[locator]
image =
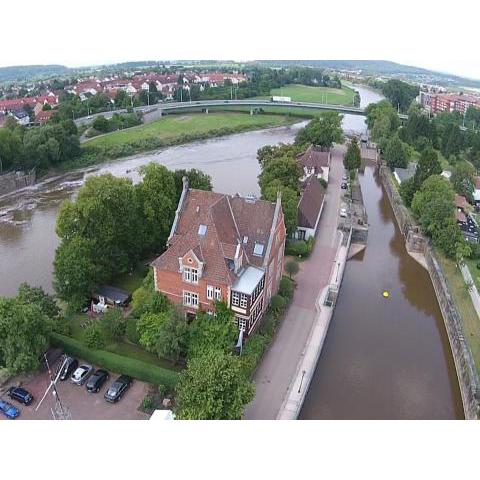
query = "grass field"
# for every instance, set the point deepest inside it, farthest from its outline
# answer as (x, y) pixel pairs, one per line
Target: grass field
(304, 93)
(170, 128)
(471, 322)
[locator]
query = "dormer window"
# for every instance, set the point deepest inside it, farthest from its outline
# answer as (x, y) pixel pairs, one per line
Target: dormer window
(202, 230)
(190, 275)
(258, 249)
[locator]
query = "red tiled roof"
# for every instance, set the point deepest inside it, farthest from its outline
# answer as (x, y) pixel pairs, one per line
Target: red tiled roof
(460, 216)
(228, 220)
(314, 158)
(310, 203)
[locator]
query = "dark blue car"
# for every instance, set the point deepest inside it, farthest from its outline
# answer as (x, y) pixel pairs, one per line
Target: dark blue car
(20, 395)
(8, 409)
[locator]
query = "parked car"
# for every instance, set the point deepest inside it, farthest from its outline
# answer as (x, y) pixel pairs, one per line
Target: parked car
(344, 177)
(80, 375)
(344, 185)
(343, 212)
(118, 388)
(70, 366)
(9, 410)
(20, 395)
(96, 381)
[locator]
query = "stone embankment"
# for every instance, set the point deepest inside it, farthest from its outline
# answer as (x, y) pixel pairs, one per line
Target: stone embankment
(9, 182)
(418, 246)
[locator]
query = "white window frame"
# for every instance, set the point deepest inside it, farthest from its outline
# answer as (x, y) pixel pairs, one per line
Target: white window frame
(243, 301)
(190, 299)
(218, 293)
(210, 292)
(190, 275)
(235, 299)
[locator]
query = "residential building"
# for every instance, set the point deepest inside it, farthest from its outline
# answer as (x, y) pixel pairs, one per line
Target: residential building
(465, 221)
(44, 116)
(21, 116)
(310, 208)
(437, 103)
(225, 248)
(402, 174)
(315, 161)
(476, 192)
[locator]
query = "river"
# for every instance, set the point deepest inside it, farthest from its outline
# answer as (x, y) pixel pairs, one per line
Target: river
(381, 359)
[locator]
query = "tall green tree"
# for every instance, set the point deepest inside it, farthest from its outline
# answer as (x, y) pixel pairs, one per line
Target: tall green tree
(172, 338)
(353, 158)
(323, 131)
(213, 387)
(24, 334)
(285, 169)
(401, 94)
(395, 153)
(463, 179)
(289, 203)
(428, 165)
(157, 201)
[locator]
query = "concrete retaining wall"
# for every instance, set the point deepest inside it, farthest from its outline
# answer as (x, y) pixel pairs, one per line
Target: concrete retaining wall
(325, 303)
(416, 243)
(9, 182)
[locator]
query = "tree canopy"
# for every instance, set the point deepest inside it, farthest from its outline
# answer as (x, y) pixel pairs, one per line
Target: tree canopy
(353, 158)
(323, 131)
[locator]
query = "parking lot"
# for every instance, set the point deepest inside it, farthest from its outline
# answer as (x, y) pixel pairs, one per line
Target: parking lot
(82, 404)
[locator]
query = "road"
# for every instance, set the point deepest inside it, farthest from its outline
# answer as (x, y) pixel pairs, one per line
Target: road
(198, 105)
(280, 362)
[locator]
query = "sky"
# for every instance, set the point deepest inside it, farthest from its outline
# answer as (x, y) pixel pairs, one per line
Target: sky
(419, 33)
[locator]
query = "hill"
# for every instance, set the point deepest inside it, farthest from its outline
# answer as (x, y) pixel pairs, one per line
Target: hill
(30, 72)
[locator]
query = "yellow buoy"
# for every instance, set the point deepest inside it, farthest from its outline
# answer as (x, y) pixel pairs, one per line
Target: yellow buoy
(386, 294)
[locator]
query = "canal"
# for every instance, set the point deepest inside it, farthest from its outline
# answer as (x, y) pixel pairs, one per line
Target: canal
(381, 359)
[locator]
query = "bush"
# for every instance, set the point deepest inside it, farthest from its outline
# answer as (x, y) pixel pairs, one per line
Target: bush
(277, 304)
(131, 331)
(291, 267)
(94, 337)
(299, 248)
(253, 352)
(147, 403)
(323, 182)
(114, 323)
(117, 363)
(286, 288)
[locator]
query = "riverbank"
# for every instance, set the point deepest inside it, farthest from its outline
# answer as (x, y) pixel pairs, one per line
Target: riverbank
(454, 322)
(174, 130)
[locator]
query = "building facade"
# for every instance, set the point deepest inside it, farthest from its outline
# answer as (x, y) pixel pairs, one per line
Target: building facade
(223, 248)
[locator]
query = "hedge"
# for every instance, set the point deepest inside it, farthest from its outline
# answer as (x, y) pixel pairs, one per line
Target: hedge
(117, 363)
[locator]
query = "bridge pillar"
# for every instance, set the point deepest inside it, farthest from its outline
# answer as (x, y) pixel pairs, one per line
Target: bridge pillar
(206, 111)
(251, 111)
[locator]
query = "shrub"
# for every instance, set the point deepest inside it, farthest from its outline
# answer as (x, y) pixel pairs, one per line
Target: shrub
(277, 303)
(253, 352)
(94, 337)
(131, 331)
(323, 183)
(114, 323)
(291, 267)
(117, 363)
(286, 288)
(147, 403)
(299, 248)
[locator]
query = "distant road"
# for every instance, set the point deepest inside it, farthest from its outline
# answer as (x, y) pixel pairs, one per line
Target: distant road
(200, 105)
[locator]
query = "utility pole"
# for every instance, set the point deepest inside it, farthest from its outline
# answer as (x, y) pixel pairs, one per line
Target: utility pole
(59, 411)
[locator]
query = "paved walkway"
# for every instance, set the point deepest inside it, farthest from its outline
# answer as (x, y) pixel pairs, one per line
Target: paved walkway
(274, 375)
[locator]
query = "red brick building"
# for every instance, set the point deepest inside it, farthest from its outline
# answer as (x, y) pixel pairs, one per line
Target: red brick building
(226, 248)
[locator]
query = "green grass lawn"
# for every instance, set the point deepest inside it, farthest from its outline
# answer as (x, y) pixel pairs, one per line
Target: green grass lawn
(120, 348)
(172, 127)
(471, 322)
(304, 93)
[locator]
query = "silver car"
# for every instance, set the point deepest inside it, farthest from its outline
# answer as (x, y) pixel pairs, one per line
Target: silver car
(81, 374)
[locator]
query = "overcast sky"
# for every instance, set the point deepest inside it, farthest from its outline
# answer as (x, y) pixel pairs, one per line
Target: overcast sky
(414, 32)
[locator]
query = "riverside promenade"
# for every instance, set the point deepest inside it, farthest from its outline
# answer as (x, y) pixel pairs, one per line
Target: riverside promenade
(280, 363)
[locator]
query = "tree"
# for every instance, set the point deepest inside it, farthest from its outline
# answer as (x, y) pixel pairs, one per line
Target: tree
(149, 327)
(172, 336)
(284, 169)
(106, 215)
(24, 335)
(212, 333)
(75, 271)
(324, 131)
(213, 387)
(353, 158)
(463, 179)
(289, 203)
(114, 324)
(382, 119)
(94, 337)
(101, 124)
(157, 200)
(291, 267)
(401, 94)
(36, 295)
(269, 152)
(428, 165)
(11, 148)
(196, 179)
(395, 153)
